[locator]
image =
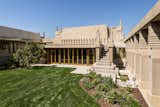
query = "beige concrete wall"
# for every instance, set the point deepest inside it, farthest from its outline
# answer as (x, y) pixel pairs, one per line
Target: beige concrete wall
(143, 58)
(156, 76)
(144, 43)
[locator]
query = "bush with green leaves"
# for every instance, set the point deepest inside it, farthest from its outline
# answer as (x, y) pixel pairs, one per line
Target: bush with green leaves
(129, 89)
(87, 84)
(130, 102)
(103, 87)
(113, 97)
(109, 91)
(108, 81)
(97, 80)
(91, 75)
(29, 54)
(123, 99)
(99, 94)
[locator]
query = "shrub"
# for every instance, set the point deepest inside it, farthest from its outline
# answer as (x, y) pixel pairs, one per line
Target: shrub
(123, 99)
(126, 90)
(101, 87)
(113, 97)
(105, 84)
(91, 75)
(96, 81)
(31, 53)
(130, 102)
(99, 95)
(109, 81)
(87, 84)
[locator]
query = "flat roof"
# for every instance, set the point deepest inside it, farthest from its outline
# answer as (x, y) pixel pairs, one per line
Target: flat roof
(9, 33)
(153, 13)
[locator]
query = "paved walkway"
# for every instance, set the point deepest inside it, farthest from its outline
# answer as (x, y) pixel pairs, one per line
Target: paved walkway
(80, 69)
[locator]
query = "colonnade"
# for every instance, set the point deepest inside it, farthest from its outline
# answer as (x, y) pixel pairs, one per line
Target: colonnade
(143, 58)
(8, 47)
(71, 55)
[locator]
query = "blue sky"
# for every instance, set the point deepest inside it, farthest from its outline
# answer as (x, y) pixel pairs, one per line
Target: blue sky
(45, 15)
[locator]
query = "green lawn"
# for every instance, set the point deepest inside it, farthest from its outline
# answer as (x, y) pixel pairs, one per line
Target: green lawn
(42, 87)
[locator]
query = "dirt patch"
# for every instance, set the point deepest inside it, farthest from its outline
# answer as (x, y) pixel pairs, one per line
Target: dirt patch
(137, 94)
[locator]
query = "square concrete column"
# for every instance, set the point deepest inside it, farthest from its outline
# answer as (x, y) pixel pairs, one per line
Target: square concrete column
(47, 56)
(87, 56)
(156, 76)
(138, 66)
(15, 47)
(134, 64)
(154, 43)
(111, 54)
(68, 55)
(51, 56)
(77, 56)
(145, 77)
(82, 55)
(59, 55)
(73, 56)
(93, 57)
(55, 56)
(64, 55)
(11, 47)
(97, 54)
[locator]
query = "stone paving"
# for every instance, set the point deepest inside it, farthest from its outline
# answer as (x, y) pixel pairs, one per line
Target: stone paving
(79, 69)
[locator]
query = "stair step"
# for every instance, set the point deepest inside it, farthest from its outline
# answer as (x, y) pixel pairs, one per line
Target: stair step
(105, 71)
(104, 65)
(103, 68)
(103, 61)
(99, 64)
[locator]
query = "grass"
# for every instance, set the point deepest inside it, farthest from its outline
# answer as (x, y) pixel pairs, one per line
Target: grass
(42, 87)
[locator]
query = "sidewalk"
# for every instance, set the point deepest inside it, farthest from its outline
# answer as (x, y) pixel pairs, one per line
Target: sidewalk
(80, 69)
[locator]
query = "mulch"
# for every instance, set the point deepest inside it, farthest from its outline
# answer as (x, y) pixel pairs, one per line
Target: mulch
(137, 94)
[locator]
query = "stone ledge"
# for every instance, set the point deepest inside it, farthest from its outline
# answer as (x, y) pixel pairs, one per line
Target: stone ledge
(152, 100)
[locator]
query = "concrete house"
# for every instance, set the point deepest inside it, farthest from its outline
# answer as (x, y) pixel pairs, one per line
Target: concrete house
(83, 45)
(12, 39)
(143, 55)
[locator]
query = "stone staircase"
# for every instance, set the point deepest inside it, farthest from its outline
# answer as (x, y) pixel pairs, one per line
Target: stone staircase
(104, 66)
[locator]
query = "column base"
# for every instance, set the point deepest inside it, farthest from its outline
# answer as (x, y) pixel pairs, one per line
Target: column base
(156, 92)
(153, 100)
(144, 84)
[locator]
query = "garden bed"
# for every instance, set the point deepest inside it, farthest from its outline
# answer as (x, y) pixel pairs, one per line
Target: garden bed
(139, 96)
(108, 94)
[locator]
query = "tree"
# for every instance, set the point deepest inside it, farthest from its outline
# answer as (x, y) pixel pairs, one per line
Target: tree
(29, 54)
